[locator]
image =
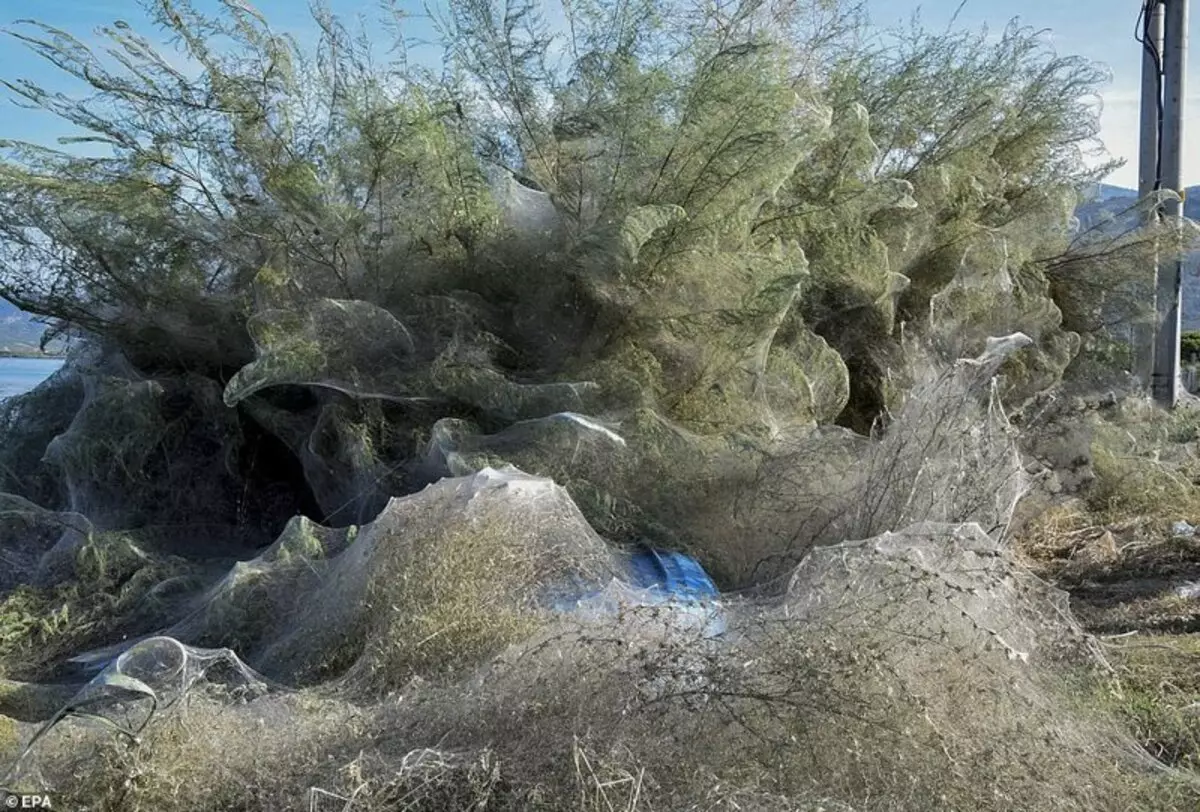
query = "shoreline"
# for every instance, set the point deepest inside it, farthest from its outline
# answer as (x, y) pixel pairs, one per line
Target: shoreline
(32, 355)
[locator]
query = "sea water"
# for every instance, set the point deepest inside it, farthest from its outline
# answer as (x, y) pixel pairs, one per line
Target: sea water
(19, 375)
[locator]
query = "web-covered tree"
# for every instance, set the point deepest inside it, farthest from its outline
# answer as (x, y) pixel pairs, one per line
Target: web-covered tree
(995, 162)
(237, 153)
(675, 210)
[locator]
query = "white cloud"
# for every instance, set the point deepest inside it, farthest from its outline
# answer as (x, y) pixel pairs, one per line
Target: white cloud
(1119, 131)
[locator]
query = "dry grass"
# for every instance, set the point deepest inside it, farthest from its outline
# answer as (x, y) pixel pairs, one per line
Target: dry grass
(1131, 484)
(1116, 553)
(10, 743)
(874, 694)
(1069, 543)
(1122, 575)
(1157, 692)
(452, 608)
(1123, 581)
(1147, 463)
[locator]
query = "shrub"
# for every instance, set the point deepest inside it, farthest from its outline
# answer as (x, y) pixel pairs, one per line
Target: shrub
(1189, 346)
(1145, 464)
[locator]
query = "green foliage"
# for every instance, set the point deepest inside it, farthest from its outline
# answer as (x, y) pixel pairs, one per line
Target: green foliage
(111, 590)
(1104, 278)
(992, 162)
(741, 207)
(1145, 464)
(27, 616)
(312, 161)
(1189, 346)
(782, 217)
(1131, 485)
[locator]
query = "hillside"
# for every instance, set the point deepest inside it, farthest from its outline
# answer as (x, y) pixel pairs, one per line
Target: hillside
(19, 333)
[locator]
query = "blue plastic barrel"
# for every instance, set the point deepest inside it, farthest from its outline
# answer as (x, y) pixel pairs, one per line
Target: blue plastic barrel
(675, 575)
(658, 578)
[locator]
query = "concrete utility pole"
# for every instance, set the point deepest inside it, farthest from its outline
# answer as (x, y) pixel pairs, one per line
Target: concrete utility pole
(1170, 273)
(1148, 177)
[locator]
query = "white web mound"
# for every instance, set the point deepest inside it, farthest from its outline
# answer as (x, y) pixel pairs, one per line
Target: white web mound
(485, 551)
(500, 620)
(961, 570)
(142, 684)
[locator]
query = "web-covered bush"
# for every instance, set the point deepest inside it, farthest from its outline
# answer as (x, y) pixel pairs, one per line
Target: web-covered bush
(730, 280)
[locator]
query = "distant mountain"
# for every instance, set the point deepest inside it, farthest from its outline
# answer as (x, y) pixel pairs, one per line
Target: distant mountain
(1114, 199)
(1106, 191)
(19, 333)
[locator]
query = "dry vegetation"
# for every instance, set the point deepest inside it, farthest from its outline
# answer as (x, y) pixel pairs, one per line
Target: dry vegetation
(1117, 549)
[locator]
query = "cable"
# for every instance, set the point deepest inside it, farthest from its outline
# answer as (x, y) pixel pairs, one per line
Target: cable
(1142, 27)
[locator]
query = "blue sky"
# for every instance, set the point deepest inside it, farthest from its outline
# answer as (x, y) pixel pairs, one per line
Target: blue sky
(1104, 33)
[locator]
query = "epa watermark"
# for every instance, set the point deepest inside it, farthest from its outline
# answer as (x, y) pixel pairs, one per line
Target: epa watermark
(27, 800)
